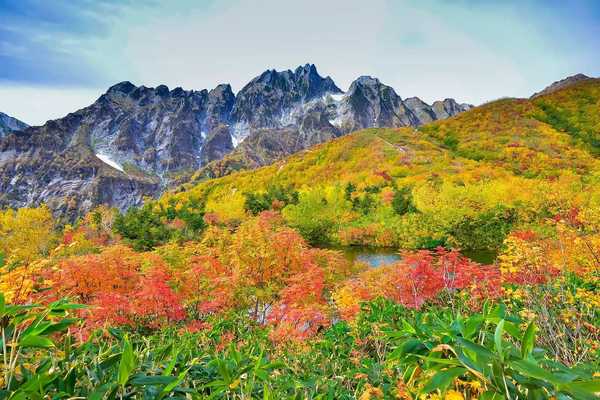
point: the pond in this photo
(378, 256)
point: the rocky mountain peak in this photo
(372, 87)
(222, 96)
(162, 90)
(270, 97)
(136, 140)
(370, 103)
(420, 109)
(178, 92)
(312, 84)
(447, 108)
(415, 103)
(306, 69)
(570, 80)
(219, 106)
(305, 81)
(222, 90)
(365, 80)
(124, 87)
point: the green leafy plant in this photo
(25, 330)
(488, 347)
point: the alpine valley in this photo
(136, 141)
(452, 260)
(292, 237)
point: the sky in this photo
(61, 55)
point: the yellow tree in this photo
(265, 254)
(25, 235)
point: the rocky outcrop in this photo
(135, 141)
(421, 110)
(127, 145)
(369, 103)
(295, 122)
(568, 81)
(10, 124)
(447, 108)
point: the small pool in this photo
(372, 256)
(379, 256)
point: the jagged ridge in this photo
(136, 141)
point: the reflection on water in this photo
(481, 256)
(372, 256)
(378, 256)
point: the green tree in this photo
(402, 202)
(255, 203)
(142, 227)
(318, 214)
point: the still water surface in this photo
(378, 256)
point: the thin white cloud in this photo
(344, 39)
(431, 49)
(235, 43)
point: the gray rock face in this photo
(277, 99)
(9, 124)
(328, 113)
(369, 103)
(129, 144)
(421, 110)
(561, 84)
(156, 131)
(135, 141)
(217, 145)
(447, 108)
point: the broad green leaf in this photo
(169, 388)
(472, 326)
(532, 370)
(59, 326)
(408, 328)
(36, 341)
(482, 353)
(62, 306)
(171, 365)
(512, 329)
(267, 392)
(109, 362)
(445, 361)
(528, 340)
(498, 339)
(410, 346)
(127, 364)
(479, 364)
(582, 389)
(150, 380)
(443, 379)
(99, 393)
(536, 394)
(261, 375)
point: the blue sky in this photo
(58, 56)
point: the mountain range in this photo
(136, 141)
(512, 149)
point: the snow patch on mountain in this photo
(107, 160)
(337, 97)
